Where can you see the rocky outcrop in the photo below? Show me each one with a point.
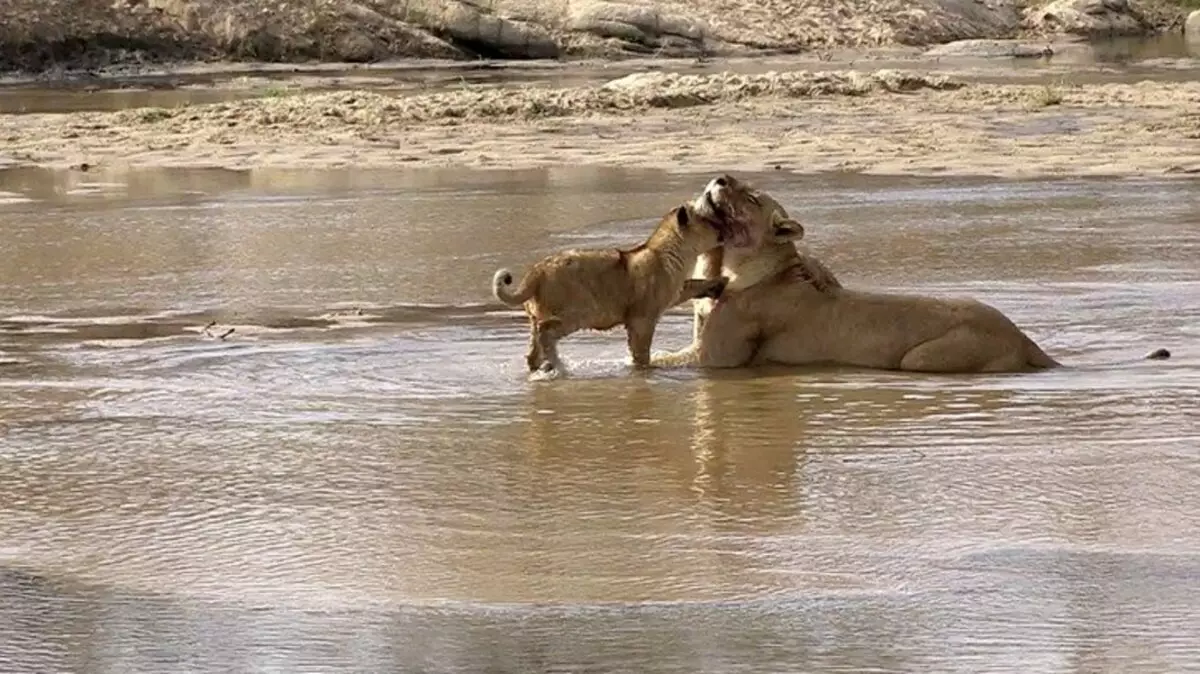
(53, 34)
(41, 34)
(1092, 18)
(551, 28)
(49, 35)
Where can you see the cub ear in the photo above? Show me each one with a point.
(786, 229)
(681, 216)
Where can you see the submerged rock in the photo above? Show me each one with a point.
(992, 49)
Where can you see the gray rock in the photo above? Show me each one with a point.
(991, 49)
(930, 22)
(1088, 17)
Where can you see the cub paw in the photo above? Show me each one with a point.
(716, 290)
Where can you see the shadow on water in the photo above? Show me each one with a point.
(359, 477)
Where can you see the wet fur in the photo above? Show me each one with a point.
(783, 306)
(601, 289)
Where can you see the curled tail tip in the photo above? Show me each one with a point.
(501, 280)
(502, 288)
(1158, 354)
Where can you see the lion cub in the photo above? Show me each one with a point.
(601, 289)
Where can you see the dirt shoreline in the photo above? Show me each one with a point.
(881, 122)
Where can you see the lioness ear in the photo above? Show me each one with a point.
(681, 216)
(787, 229)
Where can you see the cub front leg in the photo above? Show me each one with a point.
(640, 334)
(699, 289)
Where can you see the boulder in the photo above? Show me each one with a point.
(641, 23)
(927, 22)
(1093, 18)
(1191, 28)
(478, 28)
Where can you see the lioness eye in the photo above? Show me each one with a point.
(753, 199)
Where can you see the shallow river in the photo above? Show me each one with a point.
(360, 478)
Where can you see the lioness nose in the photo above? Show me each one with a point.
(721, 181)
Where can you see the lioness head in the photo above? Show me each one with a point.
(747, 216)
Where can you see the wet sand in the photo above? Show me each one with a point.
(911, 120)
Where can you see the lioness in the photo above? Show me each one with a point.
(782, 306)
(600, 289)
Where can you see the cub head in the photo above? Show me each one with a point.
(747, 217)
(702, 233)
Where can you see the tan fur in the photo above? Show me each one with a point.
(783, 306)
(601, 289)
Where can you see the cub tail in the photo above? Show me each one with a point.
(502, 288)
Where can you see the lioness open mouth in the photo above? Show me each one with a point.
(712, 204)
(724, 223)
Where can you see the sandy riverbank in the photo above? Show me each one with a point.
(878, 122)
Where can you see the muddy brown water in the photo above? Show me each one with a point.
(360, 478)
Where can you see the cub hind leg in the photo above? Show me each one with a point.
(639, 333)
(533, 359)
(701, 289)
(549, 331)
